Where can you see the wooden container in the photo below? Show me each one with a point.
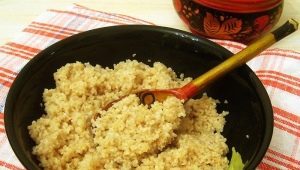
(237, 20)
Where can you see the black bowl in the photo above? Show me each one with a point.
(249, 105)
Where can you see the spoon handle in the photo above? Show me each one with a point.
(239, 59)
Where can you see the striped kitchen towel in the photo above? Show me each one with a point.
(279, 70)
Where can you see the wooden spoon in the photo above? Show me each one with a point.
(194, 87)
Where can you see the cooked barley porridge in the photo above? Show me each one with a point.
(76, 133)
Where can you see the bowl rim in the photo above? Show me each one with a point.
(240, 6)
(261, 91)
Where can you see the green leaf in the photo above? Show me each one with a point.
(236, 162)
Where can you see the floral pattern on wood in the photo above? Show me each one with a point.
(218, 24)
(223, 28)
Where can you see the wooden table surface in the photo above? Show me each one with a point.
(17, 14)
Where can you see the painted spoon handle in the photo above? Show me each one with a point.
(239, 59)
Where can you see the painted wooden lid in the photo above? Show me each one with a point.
(242, 6)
